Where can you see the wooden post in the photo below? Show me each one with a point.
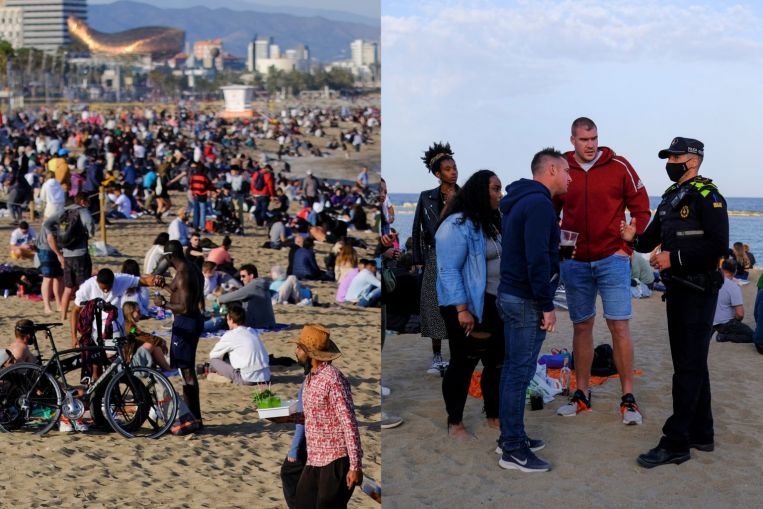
(102, 201)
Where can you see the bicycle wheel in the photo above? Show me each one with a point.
(30, 399)
(140, 402)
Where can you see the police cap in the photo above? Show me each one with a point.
(683, 146)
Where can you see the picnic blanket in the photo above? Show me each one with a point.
(476, 391)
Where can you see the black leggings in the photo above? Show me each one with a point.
(465, 353)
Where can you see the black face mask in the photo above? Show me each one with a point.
(676, 170)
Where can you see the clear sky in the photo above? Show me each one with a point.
(500, 80)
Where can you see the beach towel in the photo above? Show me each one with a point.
(476, 392)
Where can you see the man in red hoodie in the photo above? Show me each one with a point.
(603, 186)
(263, 188)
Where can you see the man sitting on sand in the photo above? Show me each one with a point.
(365, 288)
(254, 296)
(240, 355)
(729, 311)
(22, 242)
(19, 347)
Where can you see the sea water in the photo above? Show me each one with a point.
(745, 219)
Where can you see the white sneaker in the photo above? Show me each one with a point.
(390, 421)
(305, 302)
(79, 425)
(438, 365)
(385, 391)
(65, 426)
(629, 410)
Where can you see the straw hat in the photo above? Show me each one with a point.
(315, 340)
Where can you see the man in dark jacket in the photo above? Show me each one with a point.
(529, 275)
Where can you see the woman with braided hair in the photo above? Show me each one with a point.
(439, 161)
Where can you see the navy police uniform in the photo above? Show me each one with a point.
(692, 224)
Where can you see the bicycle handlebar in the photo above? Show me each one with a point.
(38, 327)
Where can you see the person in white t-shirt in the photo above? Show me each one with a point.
(112, 289)
(247, 358)
(155, 253)
(53, 194)
(365, 287)
(22, 242)
(122, 208)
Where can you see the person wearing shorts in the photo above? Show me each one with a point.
(186, 330)
(186, 301)
(51, 272)
(77, 265)
(49, 265)
(77, 270)
(603, 186)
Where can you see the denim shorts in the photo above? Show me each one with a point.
(610, 277)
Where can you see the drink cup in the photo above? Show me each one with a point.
(567, 242)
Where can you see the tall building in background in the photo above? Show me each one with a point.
(364, 53)
(209, 53)
(42, 22)
(12, 25)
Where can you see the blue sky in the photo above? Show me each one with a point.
(500, 80)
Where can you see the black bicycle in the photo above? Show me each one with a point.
(134, 401)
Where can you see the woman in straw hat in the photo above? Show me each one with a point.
(334, 466)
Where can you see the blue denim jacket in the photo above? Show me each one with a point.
(461, 266)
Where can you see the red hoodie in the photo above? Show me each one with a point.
(595, 204)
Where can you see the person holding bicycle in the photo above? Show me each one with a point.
(110, 287)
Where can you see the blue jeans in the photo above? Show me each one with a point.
(610, 277)
(215, 324)
(199, 214)
(369, 298)
(523, 339)
(261, 204)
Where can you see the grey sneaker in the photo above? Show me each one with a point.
(535, 445)
(629, 410)
(524, 460)
(390, 421)
(578, 403)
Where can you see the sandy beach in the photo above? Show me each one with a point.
(593, 455)
(236, 461)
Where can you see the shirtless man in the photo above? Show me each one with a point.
(20, 345)
(186, 303)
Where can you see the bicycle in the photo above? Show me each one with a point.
(134, 401)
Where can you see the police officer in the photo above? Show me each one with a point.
(691, 227)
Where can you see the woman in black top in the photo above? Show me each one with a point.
(439, 160)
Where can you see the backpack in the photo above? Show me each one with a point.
(259, 181)
(71, 231)
(603, 361)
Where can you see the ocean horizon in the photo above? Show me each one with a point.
(745, 219)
